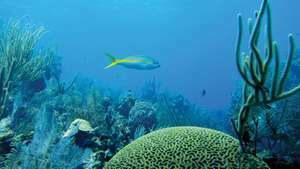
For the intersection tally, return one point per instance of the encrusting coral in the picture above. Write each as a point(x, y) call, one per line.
point(184, 147)
point(264, 83)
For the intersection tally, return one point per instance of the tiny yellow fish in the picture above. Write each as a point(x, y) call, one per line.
point(133, 62)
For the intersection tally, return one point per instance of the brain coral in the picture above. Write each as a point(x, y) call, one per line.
point(184, 147)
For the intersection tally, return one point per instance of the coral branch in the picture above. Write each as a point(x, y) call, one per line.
point(19, 60)
point(261, 92)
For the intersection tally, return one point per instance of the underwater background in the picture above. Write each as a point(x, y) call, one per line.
point(60, 107)
point(192, 40)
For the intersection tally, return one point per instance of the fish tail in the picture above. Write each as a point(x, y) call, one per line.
point(114, 61)
point(111, 65)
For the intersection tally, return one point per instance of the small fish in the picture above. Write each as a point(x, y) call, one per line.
point(203, 92)
point(133, 62)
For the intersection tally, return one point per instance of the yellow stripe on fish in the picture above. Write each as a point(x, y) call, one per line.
point(118, 61)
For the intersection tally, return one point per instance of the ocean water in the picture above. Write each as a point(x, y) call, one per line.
point(194, 42)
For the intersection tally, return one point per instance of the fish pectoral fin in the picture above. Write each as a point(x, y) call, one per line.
point(111, 65)
point(147, 62)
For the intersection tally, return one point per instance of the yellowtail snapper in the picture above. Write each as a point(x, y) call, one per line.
point(139, 62)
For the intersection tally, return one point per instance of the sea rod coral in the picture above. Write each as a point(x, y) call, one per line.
point(264, 82)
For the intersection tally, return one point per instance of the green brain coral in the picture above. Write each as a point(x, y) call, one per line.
point(184, 147)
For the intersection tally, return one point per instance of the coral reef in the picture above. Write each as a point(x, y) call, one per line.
point(51, 115)
point(150, 91)
point(126, 103)
point(176, 110)
point(6, 136)
point(188, 147)
point(142, 114)
point(46, 122)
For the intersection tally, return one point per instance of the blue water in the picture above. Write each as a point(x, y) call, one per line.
point(193, 40)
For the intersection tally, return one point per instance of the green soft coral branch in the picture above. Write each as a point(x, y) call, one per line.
point(288, 64)
point(253, 70)
point(238, 52)
point(276, 71)
point(269, 44)
point(5, 87)
point(255, 35)
point(261, 92)
point(256, 30)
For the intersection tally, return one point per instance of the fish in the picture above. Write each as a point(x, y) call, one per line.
point(138, 62)
point(203, 92)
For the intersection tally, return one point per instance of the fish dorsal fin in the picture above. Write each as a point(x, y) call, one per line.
point(113, 58)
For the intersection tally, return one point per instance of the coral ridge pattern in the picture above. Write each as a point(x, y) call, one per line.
point(184, 147)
